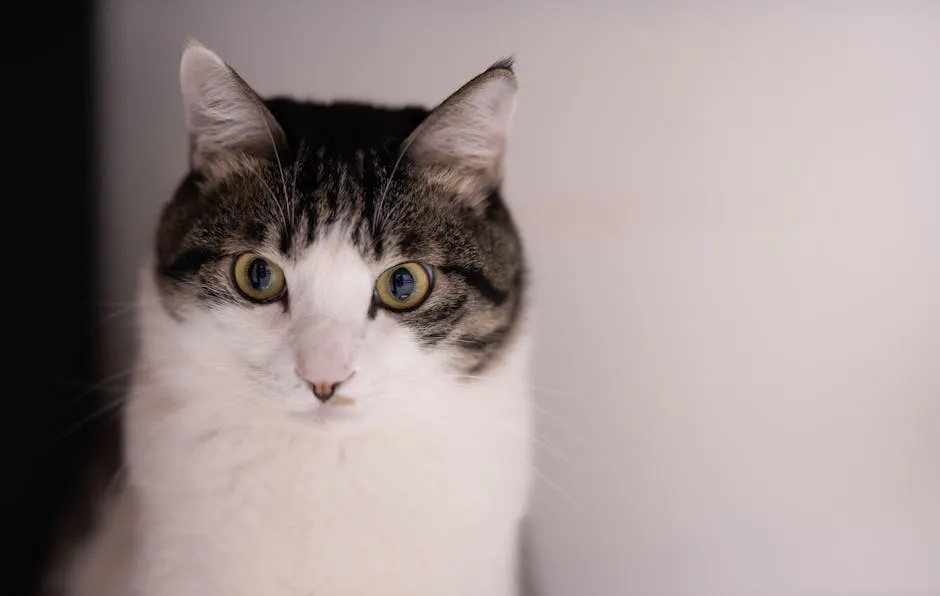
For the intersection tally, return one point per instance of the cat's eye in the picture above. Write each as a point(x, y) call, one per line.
point(404, 287)
point(257, 278)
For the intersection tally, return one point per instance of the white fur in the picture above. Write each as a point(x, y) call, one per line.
point(244, 484)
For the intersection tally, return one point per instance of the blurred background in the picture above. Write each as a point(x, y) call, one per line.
point(733, 214)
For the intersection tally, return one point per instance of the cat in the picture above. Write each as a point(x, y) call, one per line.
point(331, 395)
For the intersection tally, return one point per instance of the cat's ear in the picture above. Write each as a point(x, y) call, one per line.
point(223, 114)
point(466, 135)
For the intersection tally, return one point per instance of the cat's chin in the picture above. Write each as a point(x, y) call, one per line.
point(340, 414)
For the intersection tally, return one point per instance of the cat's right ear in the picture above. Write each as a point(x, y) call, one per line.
point(464, 139)
point(224, 115)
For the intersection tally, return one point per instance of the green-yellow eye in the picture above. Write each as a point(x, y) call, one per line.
point(404, 287)
point(257, 278)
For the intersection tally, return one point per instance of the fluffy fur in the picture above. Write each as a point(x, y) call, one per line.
point(239, 481)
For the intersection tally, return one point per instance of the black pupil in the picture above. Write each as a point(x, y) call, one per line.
point(401, 283)
point(260, 274)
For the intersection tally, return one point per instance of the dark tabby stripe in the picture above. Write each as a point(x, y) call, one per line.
point(190, 261)
point(476, 278)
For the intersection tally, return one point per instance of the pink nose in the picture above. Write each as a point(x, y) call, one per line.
point(324, 390)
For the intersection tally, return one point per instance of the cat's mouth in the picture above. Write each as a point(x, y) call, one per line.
point(338, 409)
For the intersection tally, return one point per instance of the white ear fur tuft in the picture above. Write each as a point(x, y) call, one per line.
point(469, 131)
point(223, 114)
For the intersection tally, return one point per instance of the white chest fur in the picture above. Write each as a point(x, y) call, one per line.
point(234, 497)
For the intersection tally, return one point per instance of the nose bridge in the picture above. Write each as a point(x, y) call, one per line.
point(332, 285)
point(329, 301)
point(321, 310)
point(326, 348)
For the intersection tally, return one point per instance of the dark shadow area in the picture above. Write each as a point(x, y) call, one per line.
point(527, 578)
point(52, 423)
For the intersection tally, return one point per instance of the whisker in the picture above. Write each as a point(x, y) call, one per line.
point(540, 409)
point(100, 384)
point(556, 487)
point(277, 155)
point(208, 411)
point(118, 313)
point(110, 407)
point(539, 474)
point(298, 164)
point(116, 401)
point(269, 192)
point(125, 307)
point(388, 183)
point(507, 429)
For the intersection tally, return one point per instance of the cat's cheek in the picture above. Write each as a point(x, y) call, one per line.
point(392, 352)
point(386, 337)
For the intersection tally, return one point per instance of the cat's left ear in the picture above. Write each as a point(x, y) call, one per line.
point(465, 137)
point(224, 115)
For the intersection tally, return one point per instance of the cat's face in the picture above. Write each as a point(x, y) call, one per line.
point(341, 254)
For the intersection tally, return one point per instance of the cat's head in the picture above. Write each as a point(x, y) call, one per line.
point(341, 250)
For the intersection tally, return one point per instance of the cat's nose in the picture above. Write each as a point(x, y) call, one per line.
point(324, 390)
point(324, 373)
point(322, 386)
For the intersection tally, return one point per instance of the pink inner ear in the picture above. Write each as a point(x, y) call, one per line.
point(470, 128)
point(223, 114)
